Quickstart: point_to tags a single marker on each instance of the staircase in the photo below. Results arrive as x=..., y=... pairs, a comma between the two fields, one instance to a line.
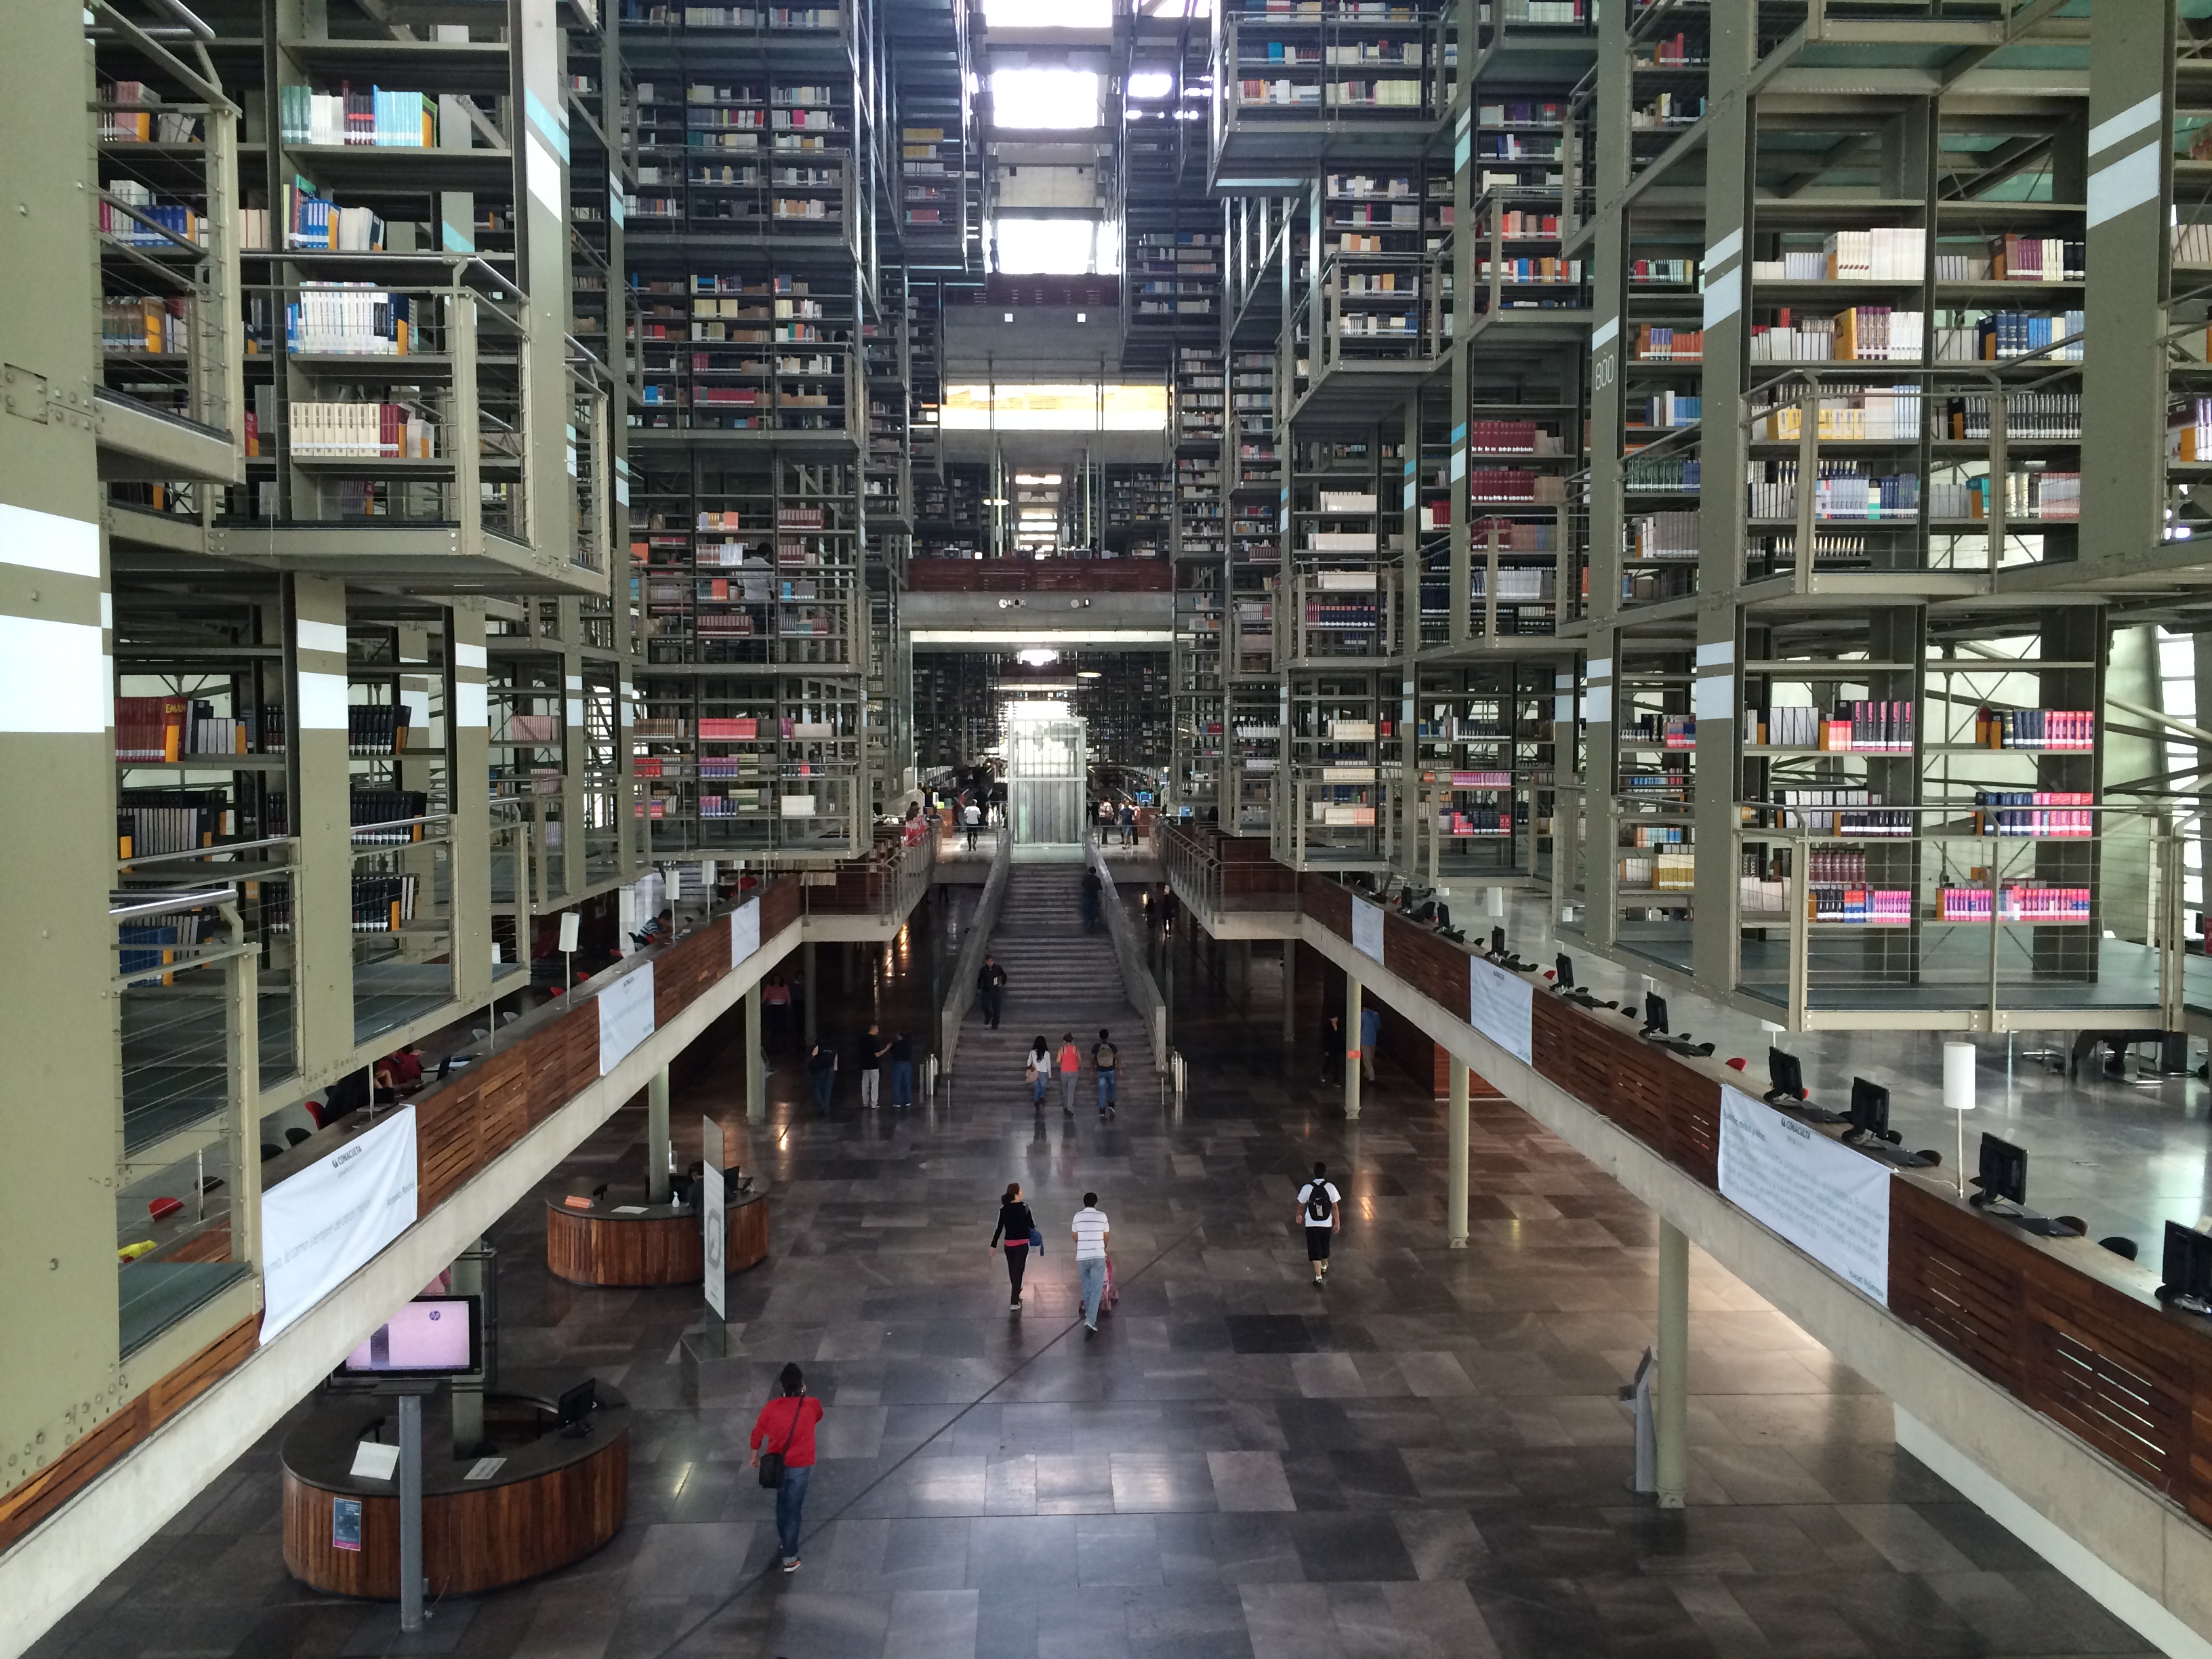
x=1059, y=979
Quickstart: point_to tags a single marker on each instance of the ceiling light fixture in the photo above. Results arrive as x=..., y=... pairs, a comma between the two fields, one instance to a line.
x=1151, y=84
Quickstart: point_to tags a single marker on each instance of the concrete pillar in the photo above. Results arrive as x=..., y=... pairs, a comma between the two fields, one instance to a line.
x=1674, y=1401
x=656, y=1138
x=755, y=1062
x=468, y=1391
x=813, y=990
x=1455, y=1170
x=1352, y=992
x=1290, y=995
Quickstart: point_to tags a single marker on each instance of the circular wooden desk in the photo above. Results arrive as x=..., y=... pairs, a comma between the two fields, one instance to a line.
x=651, y=1245
x=556, y=1499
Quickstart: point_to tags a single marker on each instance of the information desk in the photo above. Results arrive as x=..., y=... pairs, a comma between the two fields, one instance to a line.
x=556, y=1498
x=651, y=1245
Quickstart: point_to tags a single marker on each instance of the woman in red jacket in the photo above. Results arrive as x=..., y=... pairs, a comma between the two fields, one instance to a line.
x=786, y=1425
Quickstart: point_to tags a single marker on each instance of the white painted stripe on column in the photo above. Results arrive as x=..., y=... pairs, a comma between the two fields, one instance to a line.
x=322, y=702
x=471, y=703
x=1717, y=654
x=1603, y=335
x=1599, y=668
x=575, y=681
x=47, y=541
x=53, y=676
x=106, y=609
x=2128, y=183
x=323, y=636
x=544, y=173
x=1725, y=250
x=575, y=711
x=467, y=655
x=2128, y=123
x=1723, y=296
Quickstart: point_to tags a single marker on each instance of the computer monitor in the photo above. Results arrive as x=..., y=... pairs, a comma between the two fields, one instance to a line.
x=430, y=1336
x=576, y=1406
x=2003, y=1173
x=1655, y=1012
x=1869, y=1108
x=1785, y=1078
x=1565, y=965
x=2185, y=1266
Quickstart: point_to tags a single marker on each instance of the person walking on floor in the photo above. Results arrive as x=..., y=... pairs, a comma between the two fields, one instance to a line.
x=776, y=1007
x=1107, y=1063
x=1128, y=824
x=1332, y=1049
x=1090, y=1231
x=1039, y=1071
x=872, y=1050
x=972, y=815
x=1105, y=820
x=1370, y=1034
x=1321, y=1212
x=990, y=980
x=1071, y=1068
x=785, y=1430
x=901, y=1058
x=822, y=1067
x=1019, y=1228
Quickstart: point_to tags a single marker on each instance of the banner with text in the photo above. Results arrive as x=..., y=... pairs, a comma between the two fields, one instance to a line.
x=321, y=1225
x=1500, y=1006
x=1831, y=1202
x=745, y=931
x=625, y=1016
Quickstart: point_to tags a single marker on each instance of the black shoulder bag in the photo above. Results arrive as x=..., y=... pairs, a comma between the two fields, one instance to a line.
x=771, y=1464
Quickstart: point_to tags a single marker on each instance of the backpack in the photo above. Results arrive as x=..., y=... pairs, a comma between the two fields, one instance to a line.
x=1319, y=1209
x=1104, y=1058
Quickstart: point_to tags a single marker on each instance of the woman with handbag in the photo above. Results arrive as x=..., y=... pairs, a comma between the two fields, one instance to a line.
x=787, y=1424
x=1038, y=1071
x=1019, y=1228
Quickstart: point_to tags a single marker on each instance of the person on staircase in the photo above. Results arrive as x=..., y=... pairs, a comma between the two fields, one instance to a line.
x=990, y=980
x=1039, y=1071
x=1071, y=1068
x=1107, y=1062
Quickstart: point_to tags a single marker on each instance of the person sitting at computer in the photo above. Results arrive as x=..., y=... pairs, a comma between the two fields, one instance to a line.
x=399, y=1073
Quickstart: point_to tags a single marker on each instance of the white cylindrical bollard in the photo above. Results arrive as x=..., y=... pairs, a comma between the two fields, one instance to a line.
x=1958, y=1096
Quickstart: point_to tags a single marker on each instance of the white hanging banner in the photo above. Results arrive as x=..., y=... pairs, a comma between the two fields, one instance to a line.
x=1367, y=928
x=1831, y=1202
x=319, y=1226
x=1501, y=1005
x=745, y=931
x=625, y=1016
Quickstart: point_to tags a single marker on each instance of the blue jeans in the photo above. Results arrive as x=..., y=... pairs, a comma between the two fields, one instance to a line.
x=901, y=1083
x=1036, y=1088
x=790, y=1498
x=1106, y=1089
x=1092, y=1269
x=824, y=1083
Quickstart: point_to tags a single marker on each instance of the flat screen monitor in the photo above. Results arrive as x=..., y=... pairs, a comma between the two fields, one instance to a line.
x=2003, y=1171
x=1870, y=1108
x=430, y=1336
x=1655, y=1012
x=2186, y=1268
x=1785, y=1078
x=1565, y=965
x=576, y=1404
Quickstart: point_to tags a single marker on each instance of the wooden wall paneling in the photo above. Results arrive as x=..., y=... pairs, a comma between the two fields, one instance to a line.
x=2100, y=1365
x=1946, y=1279
x=778, y=907
x=173, y=1393
x=1328, y=904
x=503, y=1108
x=447, y=1127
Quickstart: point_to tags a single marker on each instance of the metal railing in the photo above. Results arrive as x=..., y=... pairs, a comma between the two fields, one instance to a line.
x=1137, y=982
x=962, y=996
x=887, y=882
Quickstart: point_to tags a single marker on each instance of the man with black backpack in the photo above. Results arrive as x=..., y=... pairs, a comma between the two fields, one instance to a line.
x=1321, y=1212
x=1106, y=1060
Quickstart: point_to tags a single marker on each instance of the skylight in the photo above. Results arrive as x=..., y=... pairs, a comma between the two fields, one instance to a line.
x=1044, y=99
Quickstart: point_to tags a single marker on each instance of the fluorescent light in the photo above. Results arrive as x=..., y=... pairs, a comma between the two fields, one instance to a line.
x=1048, y=14
x=1090, y=674
x=1082, y=317
x=1151, y=84
x=1054, y=247
x=1037, y=657
x=1059, y=406
x=1039, y=100
x=1036, y=477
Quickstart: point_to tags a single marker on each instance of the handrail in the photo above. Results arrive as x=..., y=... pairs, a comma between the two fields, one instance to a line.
x=962, y=993
x=1143, y=991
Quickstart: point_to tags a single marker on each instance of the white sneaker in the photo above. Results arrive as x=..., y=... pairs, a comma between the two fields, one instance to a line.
x=1015, y=1306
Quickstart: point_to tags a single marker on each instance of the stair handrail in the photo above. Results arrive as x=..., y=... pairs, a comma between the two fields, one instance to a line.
x=1137, y=980
x=962, y=996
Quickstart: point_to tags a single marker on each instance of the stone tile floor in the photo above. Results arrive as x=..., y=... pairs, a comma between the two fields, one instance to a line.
x=1425, y=1459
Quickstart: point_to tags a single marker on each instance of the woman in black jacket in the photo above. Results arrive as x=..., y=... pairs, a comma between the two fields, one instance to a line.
x=1016, y=1224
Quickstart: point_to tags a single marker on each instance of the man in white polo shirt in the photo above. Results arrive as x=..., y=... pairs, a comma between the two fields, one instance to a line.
x=1089, y=1233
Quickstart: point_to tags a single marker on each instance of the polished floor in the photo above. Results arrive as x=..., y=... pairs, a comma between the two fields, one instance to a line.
x=1425, y=1459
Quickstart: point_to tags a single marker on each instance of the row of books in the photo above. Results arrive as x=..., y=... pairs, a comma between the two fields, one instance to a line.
x=384, y=430
x=1842, y=490
x=1672, y=475
x=168, y=728
x=132, y=231
x=1673, y=872
x=2027, y=415
x=730, y=17
x=386, y=818
x=1669, y=730
x=1512, y=484
x=314, y=223
x=1670, y=409
x=1668, y=109
x=2015, y=258
x=2045, y=729
x=1549, y=114
x=347, y=320
x=2018, y=903
x=1841, y=812
x=377, y=728
x=1658, y=834
x=1860, y=907
x=145, y=124
x=1887, y=253
x=1874, y=334
x=2040, y=813
x=144, y=323
x=1833, y=866
x=1858, y=727
x=380, y=117
x=1475, y=822
x=1514, y=587
x=1546, y=269
x=149, y=822
x=1655, y=344
x=1869, y=415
